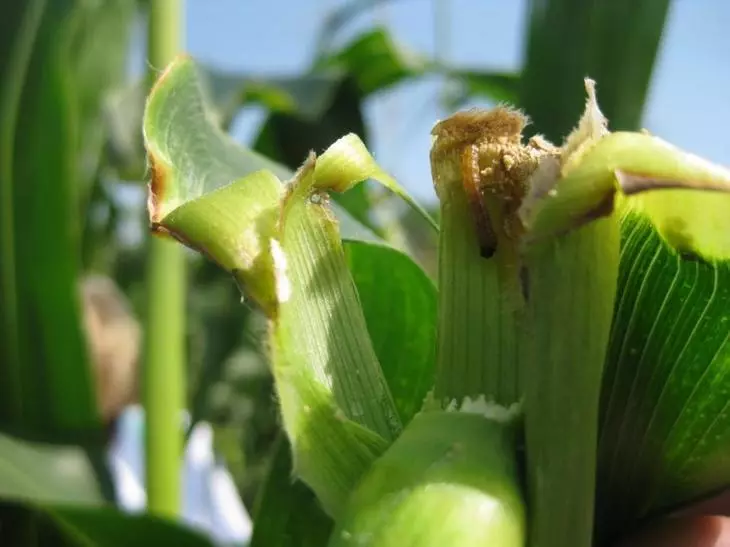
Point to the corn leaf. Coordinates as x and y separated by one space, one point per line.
43 350
202 168
41 473
569 40
392 286
664 420
327 374
305 97
287 512
284 246
389 285
685 197
106 527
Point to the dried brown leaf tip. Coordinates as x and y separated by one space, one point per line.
592 126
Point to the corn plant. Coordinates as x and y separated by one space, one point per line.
565 382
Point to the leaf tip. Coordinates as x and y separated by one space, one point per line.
591 127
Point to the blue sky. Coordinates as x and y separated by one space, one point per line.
689 102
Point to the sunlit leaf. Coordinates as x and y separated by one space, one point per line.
328 378
196 166
389 285
284 247
687 198
665 420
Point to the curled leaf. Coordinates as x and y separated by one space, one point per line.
686 197
347 162
337 409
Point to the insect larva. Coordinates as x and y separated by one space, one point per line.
471 180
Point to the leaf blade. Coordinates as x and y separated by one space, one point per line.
391 285
663 409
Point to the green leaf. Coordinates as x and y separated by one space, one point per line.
195 166
399 303
571 287
307 96
330 385
347 162
287 137
285 249
105 527
376 62
98 50
686 197
569 40
44 356
389 285
41 474
288 513
664 421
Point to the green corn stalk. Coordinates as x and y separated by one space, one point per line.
164 350
529 263
528 275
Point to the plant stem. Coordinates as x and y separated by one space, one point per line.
479 168
572 285
164 357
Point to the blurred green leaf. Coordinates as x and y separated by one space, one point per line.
306 95
376 62
106 527
339 17
44 354
287 512
287 137
569 40
97 55
399 302
41 474
665 420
